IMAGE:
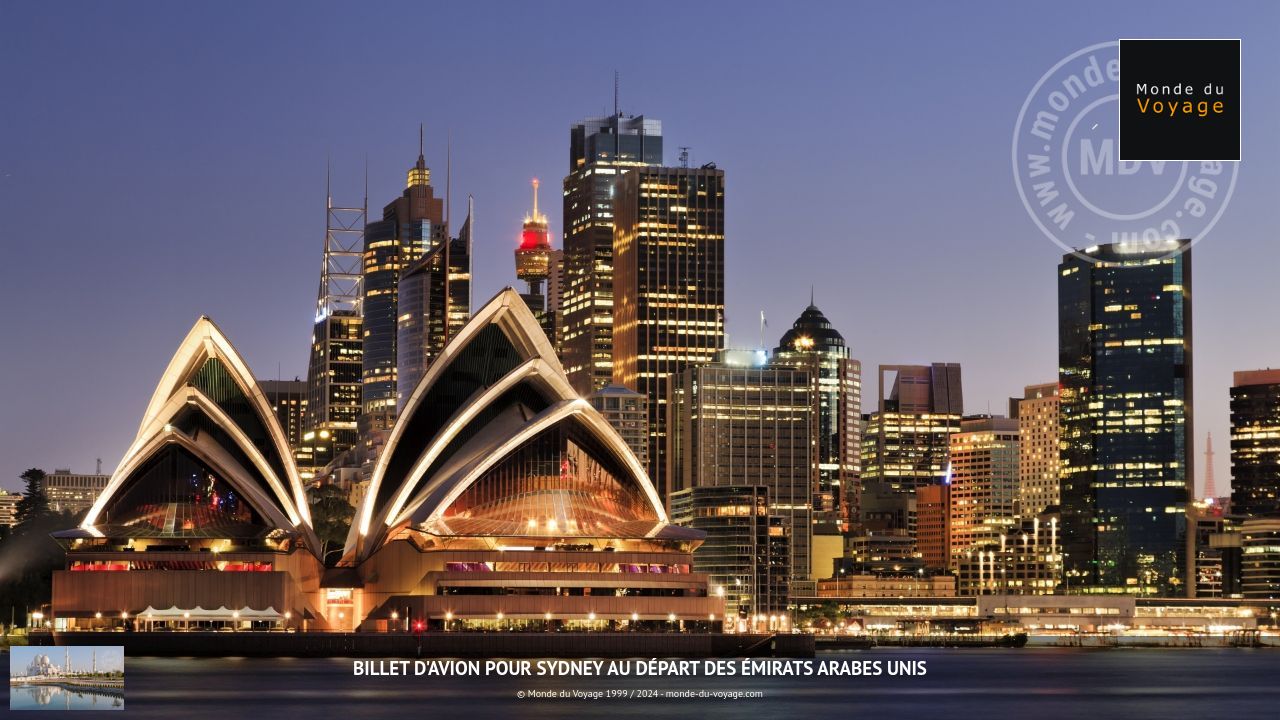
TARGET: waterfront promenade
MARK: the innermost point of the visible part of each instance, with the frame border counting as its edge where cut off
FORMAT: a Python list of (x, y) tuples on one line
[(443, 644)]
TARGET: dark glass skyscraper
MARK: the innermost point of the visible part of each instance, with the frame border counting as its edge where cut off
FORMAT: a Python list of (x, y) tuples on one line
[(600, 150), (668, 309), (410, 225), (434, 302), (1255, 443), (812, 344), (1124, 356)]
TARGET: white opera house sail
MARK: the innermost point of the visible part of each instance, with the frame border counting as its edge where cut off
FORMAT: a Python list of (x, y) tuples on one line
[(502, 497), (206, 508)]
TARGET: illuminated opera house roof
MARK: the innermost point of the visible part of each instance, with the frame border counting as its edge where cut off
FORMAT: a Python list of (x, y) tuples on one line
[(210, 459), (493, 442)]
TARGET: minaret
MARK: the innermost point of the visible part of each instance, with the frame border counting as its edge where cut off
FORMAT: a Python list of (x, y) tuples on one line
[(1210, 492)]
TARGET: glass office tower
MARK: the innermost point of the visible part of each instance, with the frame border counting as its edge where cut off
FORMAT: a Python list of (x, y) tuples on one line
[(668, 299), (813, 345), (434, 303), (1255, 443), (411, 225), (1124, 350), (600, 150)]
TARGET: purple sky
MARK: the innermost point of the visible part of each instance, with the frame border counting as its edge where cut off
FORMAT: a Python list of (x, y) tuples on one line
[(160, 161)]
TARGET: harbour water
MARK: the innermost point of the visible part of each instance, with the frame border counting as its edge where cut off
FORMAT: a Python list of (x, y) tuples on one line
[(1042, 683), (63, 697)]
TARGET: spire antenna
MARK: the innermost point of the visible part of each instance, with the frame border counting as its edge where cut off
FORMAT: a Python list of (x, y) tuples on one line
[(1210, 488), (419, 139), (616, 112), (810, 294), (535, 197)]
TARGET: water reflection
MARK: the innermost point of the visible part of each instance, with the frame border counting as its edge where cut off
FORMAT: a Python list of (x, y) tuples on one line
[(60, 697)]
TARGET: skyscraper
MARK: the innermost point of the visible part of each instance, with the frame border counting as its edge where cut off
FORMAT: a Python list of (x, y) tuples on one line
[(1255, 443), (745, 555), (983, 481), (411, 225), (434, 302), (628, 412), (813, 345), (1124, 357), (1037, 413), (668, 311), (906, 442), (555, 296), (745, 427), (289, 399), (337, 343), (1255, 485), (600, 150), (933, 525)]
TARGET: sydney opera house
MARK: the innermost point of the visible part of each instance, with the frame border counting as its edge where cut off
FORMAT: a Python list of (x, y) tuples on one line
[(501, 501)]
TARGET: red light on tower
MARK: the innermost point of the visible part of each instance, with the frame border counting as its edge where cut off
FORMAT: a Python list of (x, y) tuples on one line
[(533, 257)]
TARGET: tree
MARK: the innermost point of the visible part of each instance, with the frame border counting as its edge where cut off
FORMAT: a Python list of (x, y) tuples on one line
[(28, 555), (34, 503), (331, 515)]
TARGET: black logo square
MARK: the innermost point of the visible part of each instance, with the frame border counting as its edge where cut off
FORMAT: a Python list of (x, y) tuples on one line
[(1180, 100)]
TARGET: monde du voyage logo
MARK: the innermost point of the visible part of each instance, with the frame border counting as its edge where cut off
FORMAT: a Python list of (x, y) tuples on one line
[(1131, 142)]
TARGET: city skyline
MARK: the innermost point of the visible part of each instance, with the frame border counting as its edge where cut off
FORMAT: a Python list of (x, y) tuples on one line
[(205, 179)]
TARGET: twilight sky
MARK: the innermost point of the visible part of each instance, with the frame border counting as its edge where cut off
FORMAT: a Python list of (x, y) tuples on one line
[(163, 161)]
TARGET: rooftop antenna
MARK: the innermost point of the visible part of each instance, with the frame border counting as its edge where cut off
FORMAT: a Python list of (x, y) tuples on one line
[(810, 295), (616, 112), (420, 141), (763, 324), (99, 466), (684, 156)]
